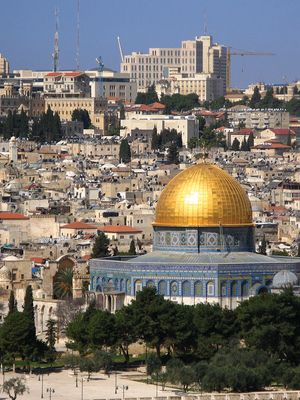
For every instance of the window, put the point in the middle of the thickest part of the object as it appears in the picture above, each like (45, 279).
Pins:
(210, 289)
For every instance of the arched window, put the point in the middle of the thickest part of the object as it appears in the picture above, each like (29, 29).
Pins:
(198, 289)
(234, 289)
(186, 288)
(128, 286)
(122, 285)
(210, 288)
(174, 288)
(150, 284)
(162, 288)
(116, 284)
(138, 286)
(223, 289)
(245, 289)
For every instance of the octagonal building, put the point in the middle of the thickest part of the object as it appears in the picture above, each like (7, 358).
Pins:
(203, 248)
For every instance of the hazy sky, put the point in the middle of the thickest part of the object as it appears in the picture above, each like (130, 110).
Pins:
(27, 30)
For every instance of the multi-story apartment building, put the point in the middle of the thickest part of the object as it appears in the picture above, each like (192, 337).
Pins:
(112, 85)
(259, 119)
(207, 86)
(66, 84)
(4, 65)
(193, 57)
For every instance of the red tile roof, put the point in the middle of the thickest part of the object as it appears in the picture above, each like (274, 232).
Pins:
(12, 216)
(118, 229)
(283, 131)
(73, 73)
(38, 260)
(54, 74)
(79, 225)
(272, 144)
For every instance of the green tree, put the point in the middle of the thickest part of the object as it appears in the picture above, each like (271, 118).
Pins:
(250, 140)
(63, 283)
(132, 248)
(12, 303)
(235, 145)
(28, 304)
(202, 123)
(173, 155)
(271, 323)
(83, 116)
(153, 364)
(51, 336)
(154, 139)
(147, 98)
(100, 248)
(23, 124)
(89, 365)
(125, 330)
(125, 152)
(244, 146)
(255, 99)
(101, 329)
(14, 387)
(263, 246)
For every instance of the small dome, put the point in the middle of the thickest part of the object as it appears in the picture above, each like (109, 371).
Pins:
(5, 274)
(284, 278)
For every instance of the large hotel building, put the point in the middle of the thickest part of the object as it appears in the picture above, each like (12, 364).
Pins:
(198, 56)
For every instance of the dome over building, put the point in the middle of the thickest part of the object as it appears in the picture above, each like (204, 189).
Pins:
(284, 278)
(5, 274)
(203, 196)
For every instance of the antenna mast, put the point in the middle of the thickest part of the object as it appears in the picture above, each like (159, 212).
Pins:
(78, 37)
(55, 54)
(120, 49)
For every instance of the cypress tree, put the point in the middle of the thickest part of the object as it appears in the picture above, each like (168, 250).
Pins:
(132, 251)
(173, 156)
(154, 139)
(125, 152)
(28, 303)
(235, 145)
(12, 303)
(100, 248)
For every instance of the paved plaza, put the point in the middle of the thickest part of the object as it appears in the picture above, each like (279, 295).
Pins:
(100, 386)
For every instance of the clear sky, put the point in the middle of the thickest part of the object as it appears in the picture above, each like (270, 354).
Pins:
(27, 30)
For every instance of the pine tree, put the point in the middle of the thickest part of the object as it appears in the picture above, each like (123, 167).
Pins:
(51, 336)
(125, 152)
(100, 248)
(235, 145)
(12, 303)
(244, 146)
(263, 246)
(132, 251)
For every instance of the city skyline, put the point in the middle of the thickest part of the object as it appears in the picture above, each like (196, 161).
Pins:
(142, 25)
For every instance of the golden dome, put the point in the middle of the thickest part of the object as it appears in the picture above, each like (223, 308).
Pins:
(203, 195)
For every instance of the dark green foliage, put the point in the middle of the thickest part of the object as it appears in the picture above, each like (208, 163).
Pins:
(17, 335)
(173, 155)
(250, 140)
(51, 335)
(235, 145)
(245, 145)
(272, 323)
(147, 98)
(240, 370)
(101, 329)
(47, 128)
(125, 152)
(132, 251)
(255, 99)
(83, 116)
(215, 327)
(28, 303)
(15, 125)
(126, 332)
(153, 364)
(179, 102)
(154, 139)
(63, 283)
(202, 123)
(100, 248)
(12, 303)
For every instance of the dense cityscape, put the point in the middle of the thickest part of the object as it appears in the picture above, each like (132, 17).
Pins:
(149, 228)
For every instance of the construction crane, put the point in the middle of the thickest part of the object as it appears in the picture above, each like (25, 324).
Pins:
(55, 54)
(239, 53)
(120, 49)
